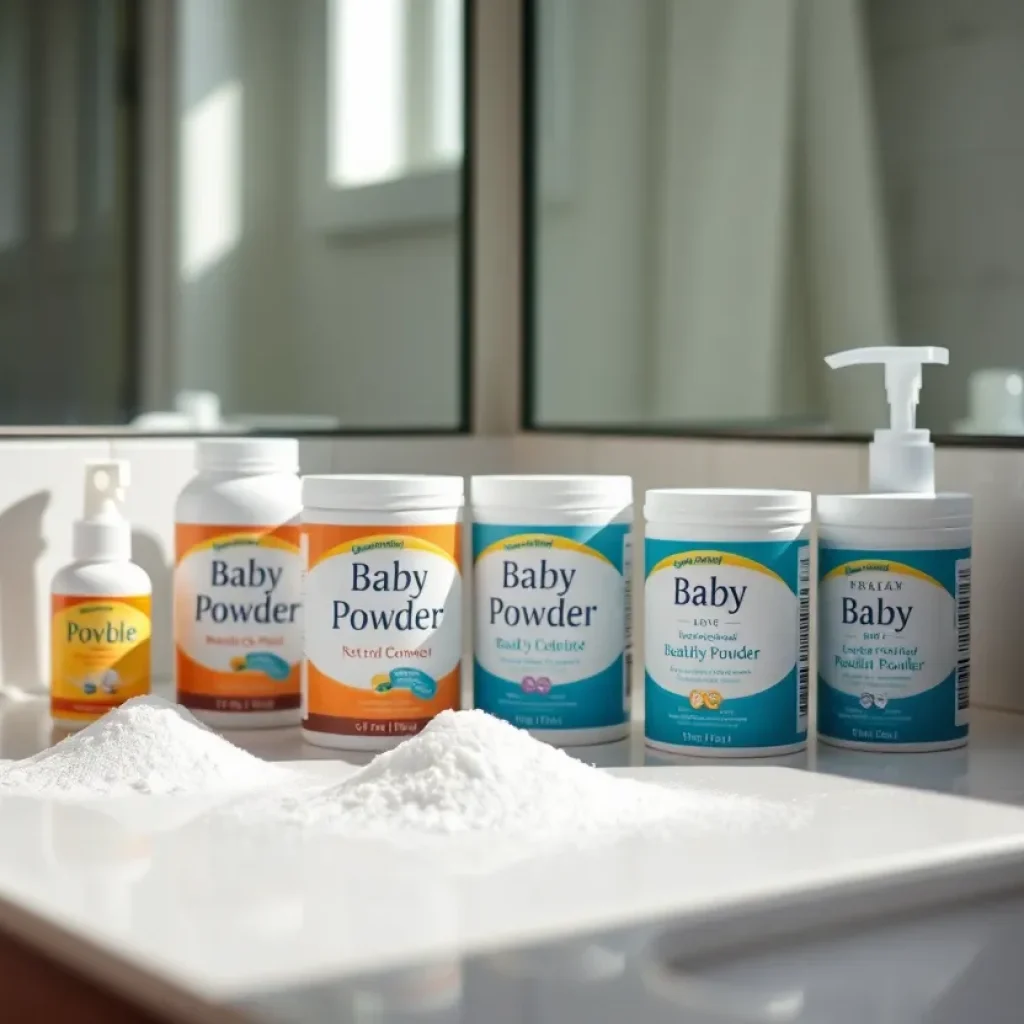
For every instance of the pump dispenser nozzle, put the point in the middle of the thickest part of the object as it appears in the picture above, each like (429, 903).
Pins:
(901, 460)
(103, 533)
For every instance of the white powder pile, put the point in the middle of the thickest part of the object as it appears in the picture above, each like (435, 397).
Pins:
(468, 772)
(148, 745)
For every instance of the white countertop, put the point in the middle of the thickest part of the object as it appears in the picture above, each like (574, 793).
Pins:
(173, 903)
(991, 767)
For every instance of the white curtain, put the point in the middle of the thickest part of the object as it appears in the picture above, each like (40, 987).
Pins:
(770, 247)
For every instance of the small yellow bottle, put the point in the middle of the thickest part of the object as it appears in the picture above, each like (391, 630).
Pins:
(100, 609)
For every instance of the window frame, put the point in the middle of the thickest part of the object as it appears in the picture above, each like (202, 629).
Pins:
(485, 313)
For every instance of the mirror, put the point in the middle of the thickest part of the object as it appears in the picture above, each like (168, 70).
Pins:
(722, 192)
(309, 238)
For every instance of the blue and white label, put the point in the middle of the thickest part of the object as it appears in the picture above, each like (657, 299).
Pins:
(727, 643)
(552, 624)
(894, 658)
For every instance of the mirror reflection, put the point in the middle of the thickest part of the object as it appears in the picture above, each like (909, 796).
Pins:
(723, 192)
(232, 214)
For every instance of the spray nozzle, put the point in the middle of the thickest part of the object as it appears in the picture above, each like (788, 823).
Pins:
(105, 485)
(902, 458)
(103, 532)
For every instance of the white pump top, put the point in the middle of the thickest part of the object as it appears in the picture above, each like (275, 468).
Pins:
(901, 460)
(103, 534)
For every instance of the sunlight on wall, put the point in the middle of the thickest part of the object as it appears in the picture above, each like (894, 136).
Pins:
(211, 180)
(395, 105)
(367, 102)
(447, 45)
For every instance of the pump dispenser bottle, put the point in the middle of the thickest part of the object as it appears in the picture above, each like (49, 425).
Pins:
(100, 609)
(894, 586)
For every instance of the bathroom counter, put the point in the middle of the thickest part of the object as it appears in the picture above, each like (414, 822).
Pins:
(166, 904)
(990, 767)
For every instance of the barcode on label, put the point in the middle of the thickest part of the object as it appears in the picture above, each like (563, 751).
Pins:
(627, 659)
(303, 670)
(803, 661)
(963, 640)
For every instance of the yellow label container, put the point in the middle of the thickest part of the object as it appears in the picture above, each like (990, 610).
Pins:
(100, 654)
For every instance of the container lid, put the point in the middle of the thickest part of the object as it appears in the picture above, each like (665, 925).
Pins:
(247, 455)
(729, 507)
(382, 492)
(940, 511)
(560, 493)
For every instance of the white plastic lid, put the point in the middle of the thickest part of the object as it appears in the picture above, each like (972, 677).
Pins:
(557, 493)
(103, 534)
(247, 455)
(728, 507)
(382, 492)
(906, 511)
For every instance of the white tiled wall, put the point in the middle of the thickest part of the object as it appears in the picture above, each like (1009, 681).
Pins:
(41, 484)
(996, 479)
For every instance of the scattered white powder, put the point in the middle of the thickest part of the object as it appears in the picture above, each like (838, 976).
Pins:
(148, 745)
(468, 772)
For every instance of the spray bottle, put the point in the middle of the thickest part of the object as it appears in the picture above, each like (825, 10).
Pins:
(100, 609)
(894, 586)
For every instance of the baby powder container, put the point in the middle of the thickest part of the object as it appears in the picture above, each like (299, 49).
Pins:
(894, 590)
(552, 562)
(727, 618)
(383, 598)
(894, 620)
(100, 609)
(238, 584)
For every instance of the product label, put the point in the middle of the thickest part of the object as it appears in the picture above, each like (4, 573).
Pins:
(383, 627)
(552, 624)
(894, 658)
(727, 643)
(238, 617)
(99, 653)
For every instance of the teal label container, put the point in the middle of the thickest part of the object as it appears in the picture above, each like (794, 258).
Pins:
(727, 621)
(552, 561)
(727, 644)
(894, 653)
